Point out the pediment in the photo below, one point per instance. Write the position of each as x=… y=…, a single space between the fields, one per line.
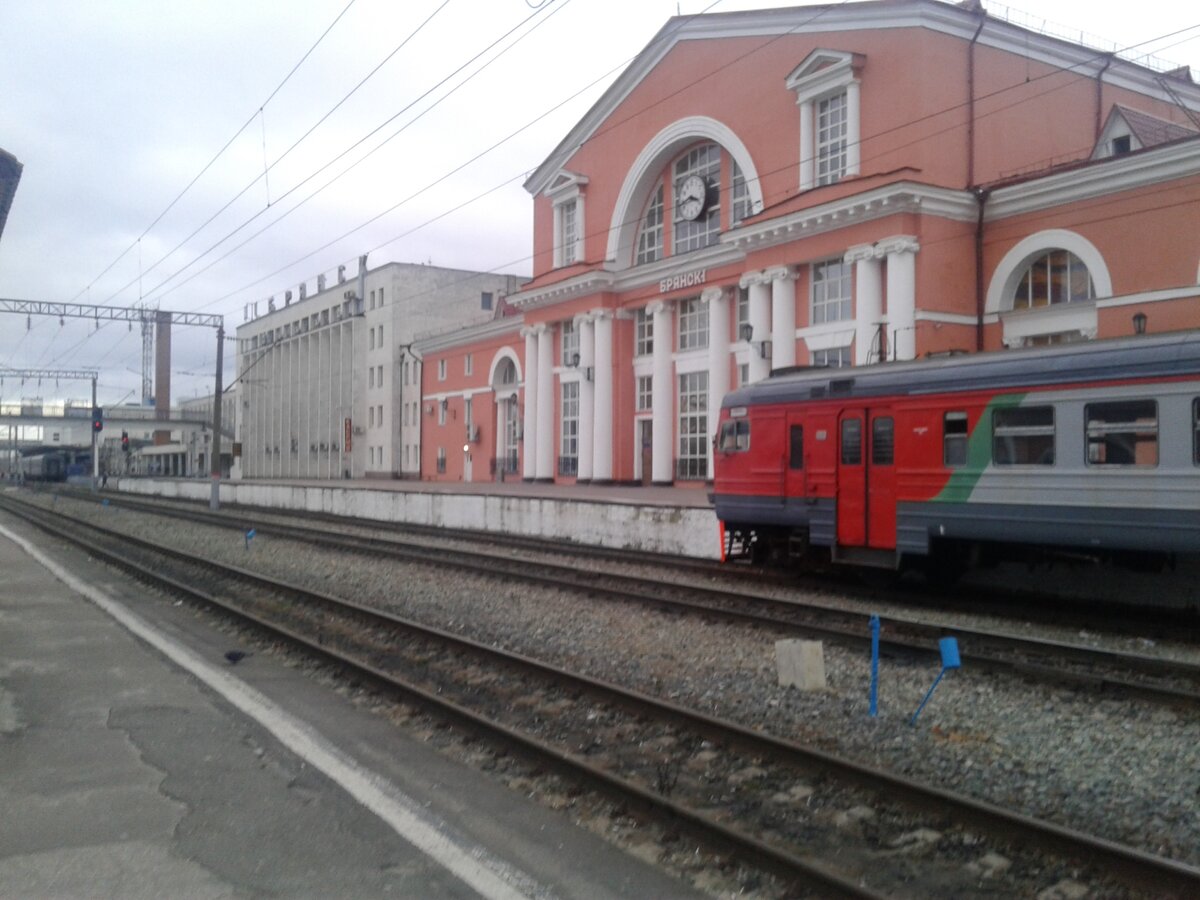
x=824 y=67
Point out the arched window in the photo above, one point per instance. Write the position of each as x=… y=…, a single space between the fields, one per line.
x=1058 y=276
x=697 y=192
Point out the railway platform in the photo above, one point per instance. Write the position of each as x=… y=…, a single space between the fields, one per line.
x=137 y=761
x=671 y=520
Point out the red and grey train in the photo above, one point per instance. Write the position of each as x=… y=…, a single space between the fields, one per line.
x=938 y=464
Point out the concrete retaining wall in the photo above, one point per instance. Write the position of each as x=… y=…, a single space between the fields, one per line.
x=659 y=529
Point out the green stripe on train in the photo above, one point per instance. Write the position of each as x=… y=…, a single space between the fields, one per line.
x=979 y=452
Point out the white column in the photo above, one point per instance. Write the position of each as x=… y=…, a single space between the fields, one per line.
x=587 y=424
x=545 y=405
x=718 y=358
x=807 y=146
x=602 y=429
x=902 y=292
x=853 y=133
x=760 y=323
x=663 y=395
x=868 y=302
x=530 y=422
x=783 y=316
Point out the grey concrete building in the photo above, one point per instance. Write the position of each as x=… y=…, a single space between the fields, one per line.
x=327 y=381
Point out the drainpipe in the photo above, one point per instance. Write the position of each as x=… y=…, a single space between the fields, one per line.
x=981 y=197
x=1100 y=97
x=971 y=99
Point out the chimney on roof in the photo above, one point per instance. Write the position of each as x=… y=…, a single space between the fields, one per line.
x=320 y=283
x=303 y=289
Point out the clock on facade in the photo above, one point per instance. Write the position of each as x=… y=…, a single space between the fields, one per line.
x=693 y=197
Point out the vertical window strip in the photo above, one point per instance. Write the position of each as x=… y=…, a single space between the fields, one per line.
x=831 y=139
x=704 y=161
x=692 y=462
x=650 y=240
x=739 y=207
x=568 y=448
x=645 y=333
x=693 y=324
x=831 y=292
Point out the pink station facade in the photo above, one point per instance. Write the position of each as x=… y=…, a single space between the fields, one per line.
x=835 y=185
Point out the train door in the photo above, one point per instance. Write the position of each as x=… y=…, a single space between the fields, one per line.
x=796 y=471
x=866 y=479
x=851 y=480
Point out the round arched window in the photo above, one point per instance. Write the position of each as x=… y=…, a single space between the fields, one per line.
x=1058 y=276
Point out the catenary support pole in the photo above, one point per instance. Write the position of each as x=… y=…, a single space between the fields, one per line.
x=214 y=501
x=95 y=444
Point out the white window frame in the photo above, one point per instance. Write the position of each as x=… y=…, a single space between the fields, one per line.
x=703 y=160
x=643 y=344
x=820 y=299
x=650 y=235
x=567 y=197
x=568 y=336
x=822 y=75
x=692 y=453
x=441 y=370
x=469 y=364
x=692 y=318
x=568 y=445
x=833 y=357
x=645 y=393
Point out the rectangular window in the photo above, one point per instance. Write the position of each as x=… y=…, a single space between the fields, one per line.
x=1122 y=433
x=371 y=377
x=372 y=299
x=568 y=233
x=693 y=426
x=693 y=324
x=371 y=416
x=442 y=412
x=372 y=338
x=830 y=292
x=743 y=374
x=1196 y=431
x=743 y=312
x=568 y=448
x=883 y=444
x=645 y=393
x=485 y=299
x=831 y=138
x=834 y=357
x=734 y=437
x=954 y=439
x=380 y=337
x=468 y=364
x=441 y=460
x=379 y=376
x=644 y=328
x=468 y=417
x=441 y=370
x=796 y=447
x=851 y=442
x=569 y=347
x=1023 y=436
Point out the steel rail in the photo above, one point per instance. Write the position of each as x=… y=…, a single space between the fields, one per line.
x=1142 y=867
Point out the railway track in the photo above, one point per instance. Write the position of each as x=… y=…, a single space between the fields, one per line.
x=1143 y=677
x=812 y=819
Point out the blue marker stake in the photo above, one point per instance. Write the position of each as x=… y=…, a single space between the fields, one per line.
x=950 y=660
x=250 y=534
x=874 y=666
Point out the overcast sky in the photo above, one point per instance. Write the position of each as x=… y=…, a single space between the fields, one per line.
x=115 y=106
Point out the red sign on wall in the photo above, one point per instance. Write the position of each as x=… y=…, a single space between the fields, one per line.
x=346 y=442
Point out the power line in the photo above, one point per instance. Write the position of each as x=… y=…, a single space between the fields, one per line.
x=219 y=153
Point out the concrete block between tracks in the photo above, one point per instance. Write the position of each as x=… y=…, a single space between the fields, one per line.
x=800 y=664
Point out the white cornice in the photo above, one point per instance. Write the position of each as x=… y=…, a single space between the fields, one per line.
x=937 y=16
x=1107 y=176
x=578 y=286
x=902 y=197
x=484 y=331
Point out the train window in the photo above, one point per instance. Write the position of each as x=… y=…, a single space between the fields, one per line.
x=954 y=439
x=796 y=447
x=735 y=436
x=1196 y=431
x=883 y=446
x=851 y=442
x=1122 y=433
x=1023 y=436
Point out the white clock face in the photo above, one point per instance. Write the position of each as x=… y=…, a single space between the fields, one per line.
x=692 y=196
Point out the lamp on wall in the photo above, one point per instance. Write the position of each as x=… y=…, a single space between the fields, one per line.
x=746 y=331
x=1139 y=323
x=573 y=361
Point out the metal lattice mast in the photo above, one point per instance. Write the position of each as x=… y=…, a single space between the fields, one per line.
x=147 y=354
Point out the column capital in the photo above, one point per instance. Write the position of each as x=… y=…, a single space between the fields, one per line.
x=899 y=243
x=533 y=330
x=751 y=278
x=598 y=314
x=710 y=294
x=778 y=273
x=654 y=307
x=860 y=252
x=584 y=318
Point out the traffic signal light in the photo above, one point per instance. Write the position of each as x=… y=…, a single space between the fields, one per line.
x=97 y=419
x=125 y=441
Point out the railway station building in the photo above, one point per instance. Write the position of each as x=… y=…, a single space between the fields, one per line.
x=327 y=384
x=838 y=185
